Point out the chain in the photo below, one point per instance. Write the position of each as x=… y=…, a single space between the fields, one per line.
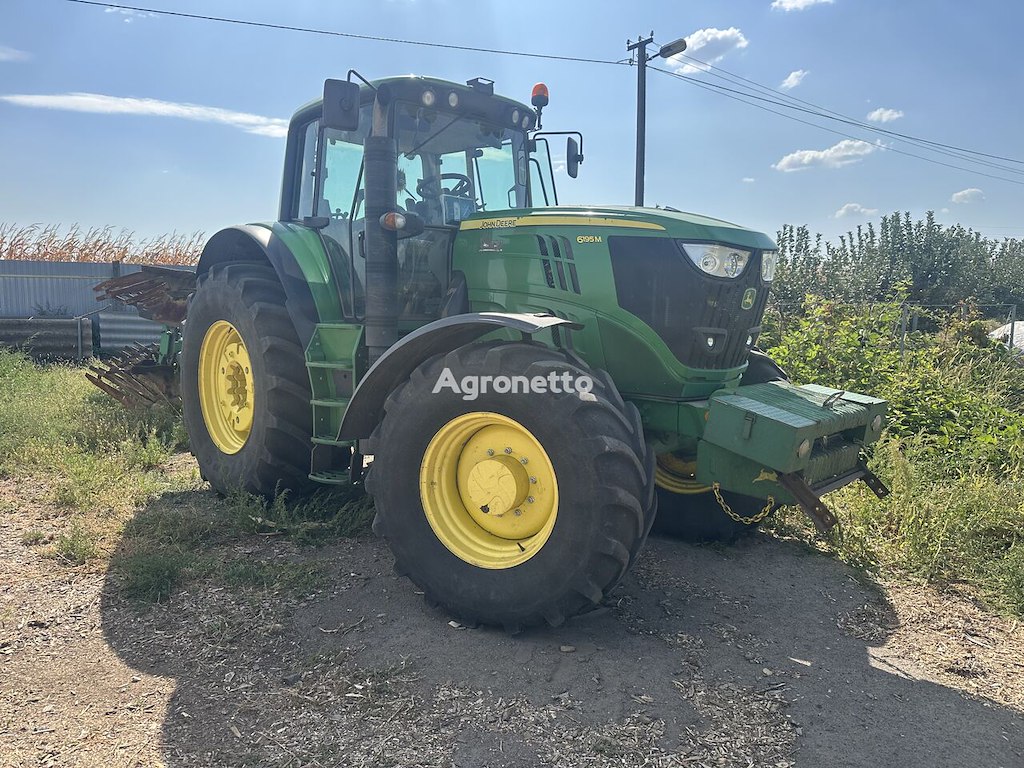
x=753 y=519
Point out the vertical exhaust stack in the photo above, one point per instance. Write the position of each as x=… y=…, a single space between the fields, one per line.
x=380 y=157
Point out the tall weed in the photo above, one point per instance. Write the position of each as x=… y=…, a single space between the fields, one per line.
x=953 y=452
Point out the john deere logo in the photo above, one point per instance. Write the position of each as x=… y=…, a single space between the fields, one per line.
x=748 y=298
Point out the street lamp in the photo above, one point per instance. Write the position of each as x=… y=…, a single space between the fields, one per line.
x=666 y=51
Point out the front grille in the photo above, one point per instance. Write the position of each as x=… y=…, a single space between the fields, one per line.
x=657 y=282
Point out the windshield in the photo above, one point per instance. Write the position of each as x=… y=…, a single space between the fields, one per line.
x=450 y=166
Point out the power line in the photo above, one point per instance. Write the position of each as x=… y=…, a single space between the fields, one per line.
x=714 y=70
x=816 y=111
x=729 y=93
x=335 y=33
x=827 y=114
x=845 y=121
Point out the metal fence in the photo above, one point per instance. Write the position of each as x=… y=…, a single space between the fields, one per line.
x=63 y=289
x=48 y=338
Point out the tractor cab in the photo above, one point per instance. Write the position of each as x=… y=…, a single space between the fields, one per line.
x=459 y=150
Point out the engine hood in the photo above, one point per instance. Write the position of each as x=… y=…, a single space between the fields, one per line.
x=676 y=224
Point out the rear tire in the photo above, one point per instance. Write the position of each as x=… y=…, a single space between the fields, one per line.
x=274 y=452
x=586 y=456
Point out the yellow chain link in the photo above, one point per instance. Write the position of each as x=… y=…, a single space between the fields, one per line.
x=753 y=519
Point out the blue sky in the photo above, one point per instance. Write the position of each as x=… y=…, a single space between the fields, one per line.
x=181 y=126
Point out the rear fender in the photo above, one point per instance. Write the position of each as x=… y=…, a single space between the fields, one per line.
x=439 y=337
x=304 y=276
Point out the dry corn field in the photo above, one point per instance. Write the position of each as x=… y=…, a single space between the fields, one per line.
x=55 y=243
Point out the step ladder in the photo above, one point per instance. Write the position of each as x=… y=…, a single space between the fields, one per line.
x=333 y=363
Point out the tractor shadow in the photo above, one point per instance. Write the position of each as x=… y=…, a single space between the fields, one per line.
x=763 y=651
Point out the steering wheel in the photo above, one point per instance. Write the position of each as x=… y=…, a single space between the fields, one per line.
x=461 y=189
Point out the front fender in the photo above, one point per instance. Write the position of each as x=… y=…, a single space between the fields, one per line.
x=439 y=337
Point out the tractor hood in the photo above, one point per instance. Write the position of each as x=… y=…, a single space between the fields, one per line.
x=675 y=224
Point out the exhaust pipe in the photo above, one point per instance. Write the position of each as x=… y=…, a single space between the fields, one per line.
x=380 y=175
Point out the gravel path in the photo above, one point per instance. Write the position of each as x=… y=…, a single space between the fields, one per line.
x=765 y=654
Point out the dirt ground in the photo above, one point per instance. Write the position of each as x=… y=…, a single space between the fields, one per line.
x=764 y=654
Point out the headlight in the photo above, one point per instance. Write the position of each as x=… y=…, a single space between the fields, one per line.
x=769 y=260
x=718 y=260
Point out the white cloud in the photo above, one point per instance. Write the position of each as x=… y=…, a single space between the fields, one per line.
x=130 y=14
x=854 y=209
x=12 y=54
x=121 y=105
x=748 y=179
x=969 y=195
x=845 y=152
x=797 y=5
x=883 y=115
x=793 y=79
x=710 y=46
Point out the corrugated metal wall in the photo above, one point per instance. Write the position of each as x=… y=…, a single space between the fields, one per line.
x=34 y=288
x=63 y=288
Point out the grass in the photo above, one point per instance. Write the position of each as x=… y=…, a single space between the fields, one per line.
x=32 y=537
x=76 y=546
x=131 y=502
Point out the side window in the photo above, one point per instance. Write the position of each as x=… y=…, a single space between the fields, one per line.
x=495 y=177
x=342 y=161
x=341 y=168
x=308 y=178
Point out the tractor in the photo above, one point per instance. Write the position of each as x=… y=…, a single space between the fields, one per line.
x=523 y=387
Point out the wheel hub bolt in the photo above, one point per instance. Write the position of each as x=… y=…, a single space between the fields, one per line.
x=508 y=450
x=533 y=480
x=518 y=512
x=490 y=451
x=524 y=460
x=529 y=499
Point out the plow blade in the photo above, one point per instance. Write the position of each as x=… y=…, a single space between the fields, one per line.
x=136 y=377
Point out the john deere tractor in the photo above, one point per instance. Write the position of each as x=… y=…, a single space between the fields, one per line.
x=532 y=381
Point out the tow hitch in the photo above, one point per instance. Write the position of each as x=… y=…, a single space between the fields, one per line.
x=816 y=509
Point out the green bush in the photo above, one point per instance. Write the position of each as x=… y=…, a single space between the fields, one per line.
x=952 y=454
x=961 y=393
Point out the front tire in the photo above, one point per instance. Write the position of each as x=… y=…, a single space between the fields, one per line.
x=511 y=509
x=245 y=393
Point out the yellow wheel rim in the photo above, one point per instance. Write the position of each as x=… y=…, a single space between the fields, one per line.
x=226 y=387
x=678 y=475
x=488 y=490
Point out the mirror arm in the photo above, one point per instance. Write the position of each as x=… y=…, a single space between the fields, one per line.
x=366 y=82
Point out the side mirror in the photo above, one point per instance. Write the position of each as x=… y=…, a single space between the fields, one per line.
x=341 y=105
x=573 y=157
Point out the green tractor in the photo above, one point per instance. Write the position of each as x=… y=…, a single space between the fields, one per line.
x=532 y=381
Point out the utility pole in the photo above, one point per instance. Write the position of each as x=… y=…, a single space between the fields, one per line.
x=640 y=46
